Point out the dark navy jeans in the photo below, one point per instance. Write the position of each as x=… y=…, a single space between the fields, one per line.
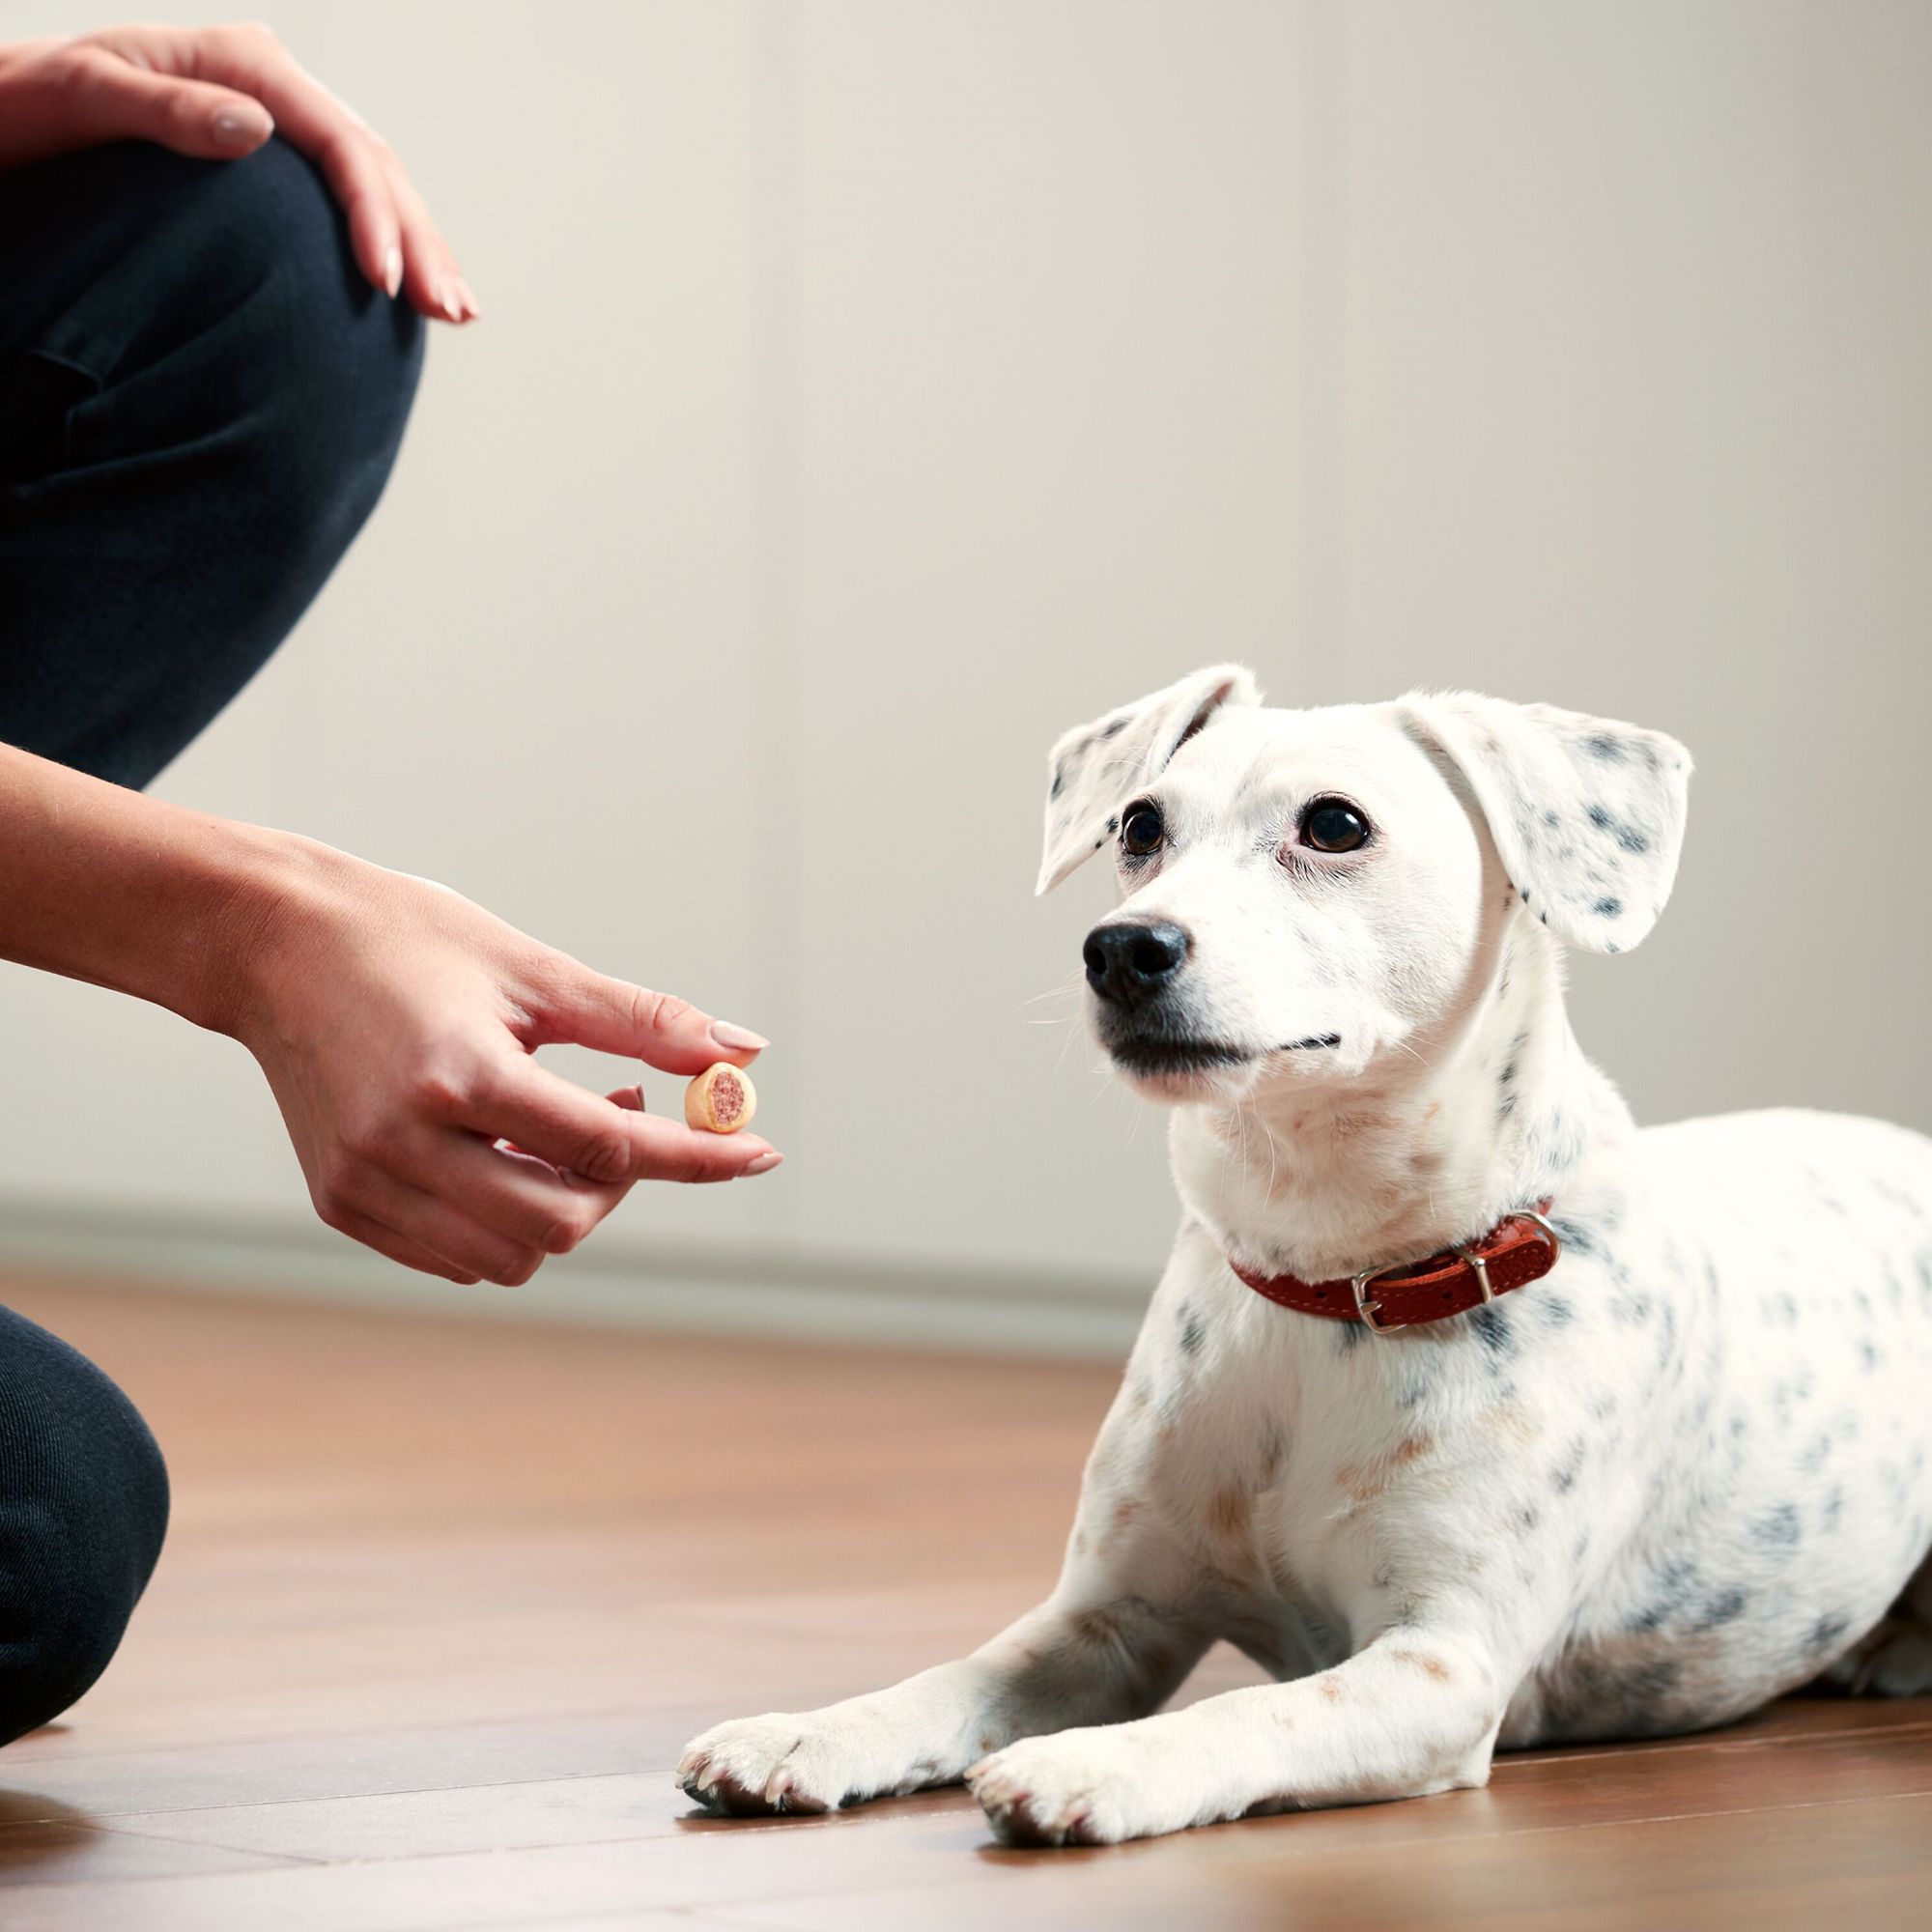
x=200 y=401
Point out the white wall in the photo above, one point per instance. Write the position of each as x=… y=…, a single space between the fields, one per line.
x=885 y=384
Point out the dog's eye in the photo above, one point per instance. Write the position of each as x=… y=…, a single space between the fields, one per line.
x=1142 y=830
x=1334 y=825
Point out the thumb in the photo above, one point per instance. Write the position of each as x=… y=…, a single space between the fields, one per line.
x=612 y=1016
x=212 y=124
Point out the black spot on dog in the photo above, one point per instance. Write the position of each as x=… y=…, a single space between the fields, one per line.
x=1779 y=1530
x=1491 y=1325
x=1192 y=1333
x=1528 y=1517
x=1868 y=1356
x=1575 y=1237
x=1113 y=826
x=1643 y=1691
x=1556 y=1311
x=1827 y=1631
x=1610 y=749
x=1609 y=908
x=1674 y=1584
x=1599 y=1699
x=1628 y=836
x=1115 y=729
x=1563 y=1478
x=1724 y=1610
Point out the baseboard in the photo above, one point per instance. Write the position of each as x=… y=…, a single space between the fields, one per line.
x=776 y=1296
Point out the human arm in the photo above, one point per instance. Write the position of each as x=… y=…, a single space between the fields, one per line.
x=395 y=1021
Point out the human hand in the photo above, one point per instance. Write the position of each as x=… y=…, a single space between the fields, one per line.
x=396 y=1021
x=218 y=93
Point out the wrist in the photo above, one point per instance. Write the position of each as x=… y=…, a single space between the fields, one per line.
x=273 y=894
x=101 y=884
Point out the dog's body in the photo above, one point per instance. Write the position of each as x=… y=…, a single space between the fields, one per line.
x=1687 y=1471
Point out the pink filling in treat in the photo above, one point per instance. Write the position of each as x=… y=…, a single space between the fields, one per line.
x=727 y=1098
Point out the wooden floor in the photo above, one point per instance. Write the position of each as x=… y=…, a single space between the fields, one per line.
x=443 y=1600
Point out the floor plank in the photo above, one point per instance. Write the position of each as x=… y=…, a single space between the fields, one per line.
x=443 y=1602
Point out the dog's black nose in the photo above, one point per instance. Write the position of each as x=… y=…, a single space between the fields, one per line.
x=1129 y=962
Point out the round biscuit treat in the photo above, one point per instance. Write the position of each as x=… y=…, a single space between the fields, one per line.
x=722 y=1100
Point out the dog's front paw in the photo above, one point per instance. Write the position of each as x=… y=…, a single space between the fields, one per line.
x=750 y=1766
x=813 y=1762
x=1085 y=1787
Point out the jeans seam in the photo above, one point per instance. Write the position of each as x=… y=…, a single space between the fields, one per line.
x=95 y=383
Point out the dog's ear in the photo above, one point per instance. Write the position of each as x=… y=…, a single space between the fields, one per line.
x=1587 y=814
x=1094 y=768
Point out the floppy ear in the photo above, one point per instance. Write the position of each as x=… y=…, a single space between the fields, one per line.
x=1587 y=814
x=1093 y=768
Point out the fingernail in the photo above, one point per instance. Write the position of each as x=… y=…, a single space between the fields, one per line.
x=236 y=127
x=737 y=1038
x=452 y=307
x=764 y=1164
x=469 y=309
x=392 y=269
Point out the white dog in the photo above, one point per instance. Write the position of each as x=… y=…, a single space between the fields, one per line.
x=1450 y=1504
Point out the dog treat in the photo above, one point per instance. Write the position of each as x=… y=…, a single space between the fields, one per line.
x=722 y=1100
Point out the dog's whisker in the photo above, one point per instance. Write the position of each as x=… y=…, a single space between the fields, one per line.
x=1068 y=990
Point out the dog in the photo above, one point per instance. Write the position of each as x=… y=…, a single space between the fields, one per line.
x=1475 y=1416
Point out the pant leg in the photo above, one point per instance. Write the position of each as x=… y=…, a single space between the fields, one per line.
x=200 y=401
x=83 y=1508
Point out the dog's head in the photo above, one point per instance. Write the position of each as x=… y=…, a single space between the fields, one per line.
x=1305 y=890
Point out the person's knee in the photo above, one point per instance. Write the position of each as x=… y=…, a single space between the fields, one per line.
x=334 y=360
x=229 y=319
x=218 y=397
x=83 y=1512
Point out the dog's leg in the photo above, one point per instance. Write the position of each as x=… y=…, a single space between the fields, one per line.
x=1415 y=1712
x=1079 y=1661
x=1896 y=1659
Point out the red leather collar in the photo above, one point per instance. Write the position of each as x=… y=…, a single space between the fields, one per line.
x=1519 y=1249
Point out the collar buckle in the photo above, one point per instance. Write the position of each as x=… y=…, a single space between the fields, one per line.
x=1469 y=1254
x=1364 y=1307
